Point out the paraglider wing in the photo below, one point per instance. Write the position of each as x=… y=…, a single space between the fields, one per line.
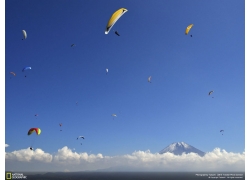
x=72 y=45
x=13 y=73
x=26 y=68
x=24 y=34
x=210 y=92
x=37 y=130
x=188 y=28
x=81 y=137
x=149 y=79
x=114 y=115
x=115 y=16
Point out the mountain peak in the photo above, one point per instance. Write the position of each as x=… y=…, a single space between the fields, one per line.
x=177 y=148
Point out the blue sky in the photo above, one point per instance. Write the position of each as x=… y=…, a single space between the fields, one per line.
x=174 y=107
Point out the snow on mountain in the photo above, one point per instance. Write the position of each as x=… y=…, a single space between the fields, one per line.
x=180 y=147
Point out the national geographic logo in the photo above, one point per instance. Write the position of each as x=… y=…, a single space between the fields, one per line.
x=10 y=175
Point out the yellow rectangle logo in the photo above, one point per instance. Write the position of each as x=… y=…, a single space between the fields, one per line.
x=8 y=176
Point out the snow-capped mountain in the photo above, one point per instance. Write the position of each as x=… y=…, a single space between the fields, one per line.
x=180 y=147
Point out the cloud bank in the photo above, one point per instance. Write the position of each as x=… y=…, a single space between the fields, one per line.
x=67 y=160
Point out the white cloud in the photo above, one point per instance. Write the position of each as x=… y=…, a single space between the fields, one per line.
x=65 y=155
x=27 y=155
x=66 y=160
x=6 y=145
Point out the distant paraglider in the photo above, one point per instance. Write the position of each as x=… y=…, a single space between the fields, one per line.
x=107 y=70
x=113 y=19
x=24 y=34
x=72 y=45
x=114 y=115
x=80 y=137
x=210 y=92
x=149 y=79
x=14 y=74
x=26 y=68
x=32 y=130
x=222 y=131
x=60 y=126
x=188 y=29
x=36 y=130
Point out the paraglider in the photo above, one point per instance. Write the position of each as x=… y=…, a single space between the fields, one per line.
x=113 y=19
x=116 y=32
x=114 y=115
x=149 y=79
x=32 y=130
x=210 y=92
x=14 y=74
x=26 y=68
x=72 y=45
x=24 y=34
x=80 y=137
x=60 y=126
x=107 y=71
x=188 y=29
x=222 y=131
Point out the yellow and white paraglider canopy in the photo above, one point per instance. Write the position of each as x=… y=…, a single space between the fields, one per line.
x=188 y=28
x=115 y=16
